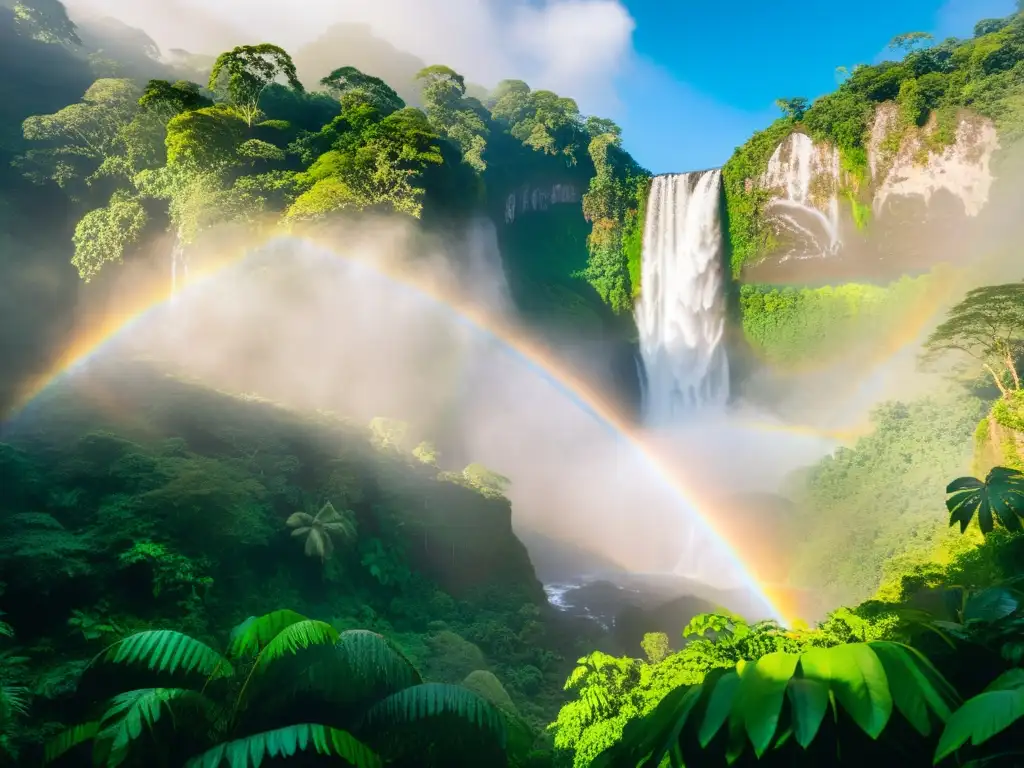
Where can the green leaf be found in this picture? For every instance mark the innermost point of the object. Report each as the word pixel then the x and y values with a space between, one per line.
pixel 980 718
pixel 123 722
pixel 762 690
pixel 432 699
pixel 294 638
pixel 857 678
pixel 719 706
pixel 808 700
pixel 255 633
pixel 69 739
pixel 655 734
pixel 250 751
pixel 913 685
pixel 164 650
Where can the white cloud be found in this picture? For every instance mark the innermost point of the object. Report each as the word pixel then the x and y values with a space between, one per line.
pixel 573 46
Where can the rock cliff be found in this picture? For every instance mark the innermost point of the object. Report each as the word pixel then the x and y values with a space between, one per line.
pixel 911 207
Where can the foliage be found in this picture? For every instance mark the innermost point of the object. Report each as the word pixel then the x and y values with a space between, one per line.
pixel 986 325
pixel 232 722
pixel 1000 497
pixel 791 325
pixel 321 529
pixel 863 506
pixel 242 74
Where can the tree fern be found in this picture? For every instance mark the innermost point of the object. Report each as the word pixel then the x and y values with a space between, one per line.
pixel 250 751
pixel 164 650
pixel 69 739
pixel 123 721
pixel 255 633
pixel 434 699
pixel 13 702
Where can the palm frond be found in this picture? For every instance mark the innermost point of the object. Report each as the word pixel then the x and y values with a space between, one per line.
pixel 298 519
pixel 286 742
pixel 67 740
pixel 429 700
pixel 328 514
pixel 164 650
pixel 255 633
pixel 123 722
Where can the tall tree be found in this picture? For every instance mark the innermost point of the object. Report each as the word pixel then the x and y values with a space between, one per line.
pixel 794 108
pixel 988 325
pixel 242 74
pixel 459 118
pixel 350 82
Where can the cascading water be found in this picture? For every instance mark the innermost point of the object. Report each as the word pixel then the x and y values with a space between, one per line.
pixel 804 178
pixel 681 312
pixel 179 265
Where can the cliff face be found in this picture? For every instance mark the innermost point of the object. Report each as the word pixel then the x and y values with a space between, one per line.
pixel 531 197
pixel 999 441
pixel 911 208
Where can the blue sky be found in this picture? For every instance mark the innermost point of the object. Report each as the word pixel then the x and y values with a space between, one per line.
pixel 709 71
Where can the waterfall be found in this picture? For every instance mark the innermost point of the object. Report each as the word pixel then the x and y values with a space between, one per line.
pixel 804 178
pixel 681 312
pixel 178 263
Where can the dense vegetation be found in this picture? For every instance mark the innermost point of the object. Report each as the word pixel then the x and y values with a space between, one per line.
pixel 192 578
pixel 112 148
pixel 792 326
pixel 929 84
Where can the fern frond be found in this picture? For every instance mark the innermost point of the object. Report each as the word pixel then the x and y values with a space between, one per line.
pixel 122 723
pixel 164 650
pixel 256 632
pixel 372 662
pixel 67 740
pixel 13 701
pixel 297 637
pixel 433 699
pixel 286 742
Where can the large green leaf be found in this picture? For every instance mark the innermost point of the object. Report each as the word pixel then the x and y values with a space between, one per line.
pixel 373 661
pixel 808 701
pixel 67 740
pixel 123 721
pixel 255 633
pixel 856 676
pixel 762 690
pixel 916 686
pixel 164 650
pixel 1000 497
pixel 720 704
pixel 432 699
pixel 294 638
pixel 980 718
pixel 251 751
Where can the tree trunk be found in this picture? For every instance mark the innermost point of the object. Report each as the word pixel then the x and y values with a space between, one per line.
pixel 1013 370
pixel 998 381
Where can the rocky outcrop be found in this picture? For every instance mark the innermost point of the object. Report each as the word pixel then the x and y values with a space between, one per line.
pixel 924 186
pixel 529 197
pixel 914 168
pixel 999 440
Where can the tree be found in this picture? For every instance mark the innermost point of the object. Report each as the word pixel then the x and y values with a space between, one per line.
pixel 602 126
pixel 908 41
pixel 321 530
pixel 987 325
pixel 169 99
pixel 793 108
pixel 655 645
pixel 244 705
pixel 244 73
pixel 103 235
pixel 86 141
pixel 350 82
pixel 459 118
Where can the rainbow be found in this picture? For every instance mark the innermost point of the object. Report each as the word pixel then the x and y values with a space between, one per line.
pixel 143 302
